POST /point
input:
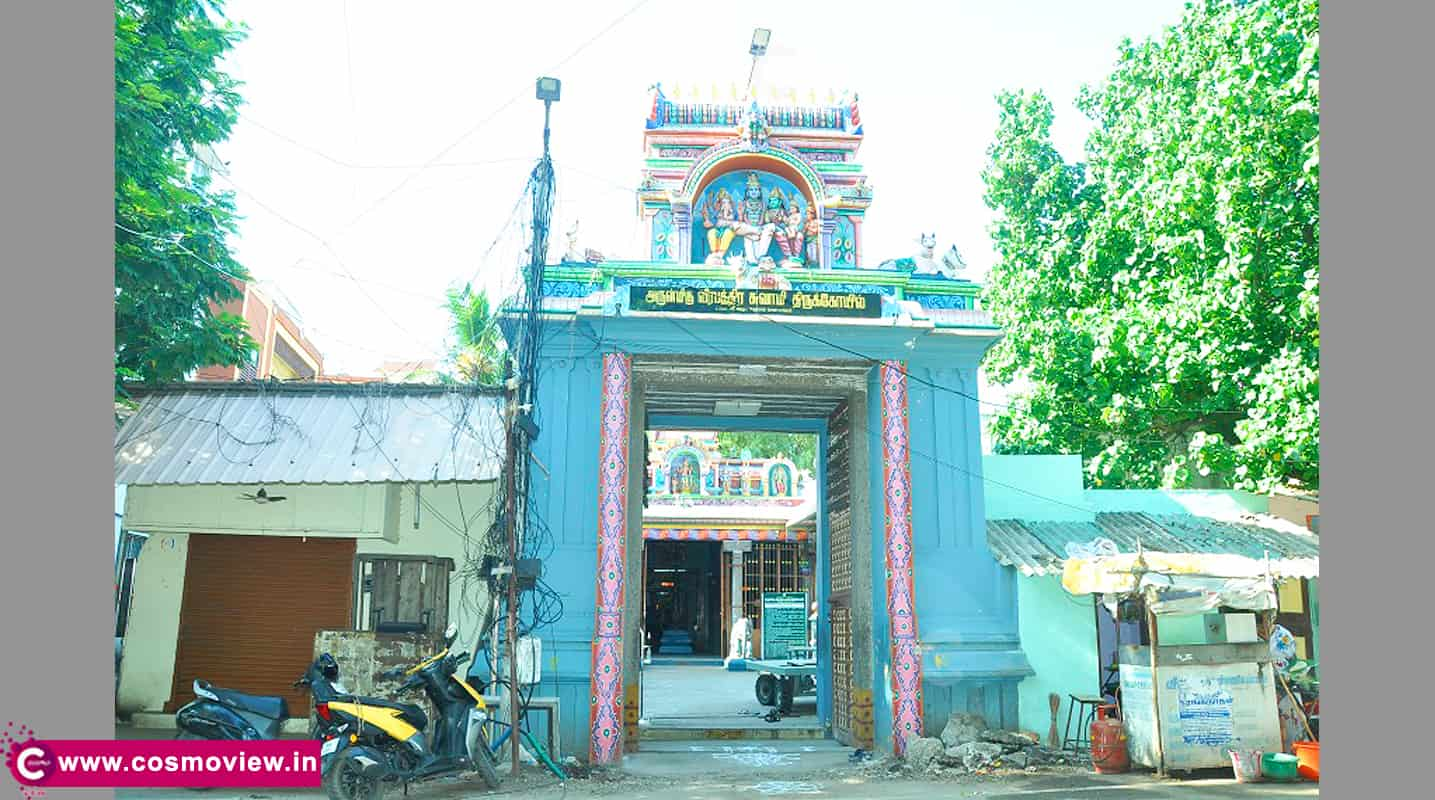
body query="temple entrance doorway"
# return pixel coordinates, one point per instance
(765, 464)
(730, 565)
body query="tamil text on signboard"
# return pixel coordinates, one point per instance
(784, 623)
(755, 301)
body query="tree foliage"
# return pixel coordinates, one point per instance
(171, 257)
(800, 448)
(476, 351)
(1161, 300)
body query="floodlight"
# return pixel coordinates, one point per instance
(760, 38)
(549, 89)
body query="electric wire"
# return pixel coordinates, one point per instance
(486, 119)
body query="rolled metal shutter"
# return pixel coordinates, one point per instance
(251, 607)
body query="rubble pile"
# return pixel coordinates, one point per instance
(967, 746)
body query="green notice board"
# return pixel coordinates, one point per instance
(784, 623)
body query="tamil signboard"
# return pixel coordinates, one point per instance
(784, 302)
(784, 623)
(1206, 711)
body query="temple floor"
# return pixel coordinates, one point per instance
(701, 694)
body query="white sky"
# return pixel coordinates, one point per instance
(347, 99)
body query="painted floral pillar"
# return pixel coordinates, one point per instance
(897, 540)
(606, 713)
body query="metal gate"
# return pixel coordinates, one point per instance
(838, 476)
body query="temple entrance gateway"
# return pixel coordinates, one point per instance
(741, 319)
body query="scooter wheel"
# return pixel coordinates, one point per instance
(485, 764)
(345, 782)
(186, 736)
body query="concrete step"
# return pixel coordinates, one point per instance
(685, 733)
(685, 758)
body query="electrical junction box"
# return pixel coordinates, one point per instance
(530, 660)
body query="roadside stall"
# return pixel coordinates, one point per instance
(1206, 684)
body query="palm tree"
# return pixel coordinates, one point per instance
(477, 348)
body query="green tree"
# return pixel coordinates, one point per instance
(799, 447)
(476, 350)
(172, 261)
(1161, 301)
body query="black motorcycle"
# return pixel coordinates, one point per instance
(226, 714)
(370, 742)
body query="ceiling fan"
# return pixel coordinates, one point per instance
(262, 496)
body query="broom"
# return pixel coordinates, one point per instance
(1055, 709)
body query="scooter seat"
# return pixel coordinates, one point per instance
(263, 705)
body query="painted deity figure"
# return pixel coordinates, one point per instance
(790, 235)
(684, 480)
(721, 230)
(753, 225)
(812, 230)
(779, 481)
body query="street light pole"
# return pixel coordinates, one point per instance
(521, 403)
(758, 48)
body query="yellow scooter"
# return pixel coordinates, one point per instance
(371, 743)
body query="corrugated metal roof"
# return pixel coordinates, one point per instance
(314, 433)
(1039, 548)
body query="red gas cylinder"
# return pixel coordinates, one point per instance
(1108, 743)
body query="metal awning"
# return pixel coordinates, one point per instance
(1039, 547)
(314, 433)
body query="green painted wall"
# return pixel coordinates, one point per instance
(1058, 635)
(1213, 502)
(1055, 477)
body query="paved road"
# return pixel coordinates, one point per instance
(757, 787)
(714, 774)
(708, 770)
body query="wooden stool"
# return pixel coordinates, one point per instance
(1082, 740)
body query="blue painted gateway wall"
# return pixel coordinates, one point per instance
(943, 631)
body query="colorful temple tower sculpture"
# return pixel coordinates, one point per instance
(796, 201)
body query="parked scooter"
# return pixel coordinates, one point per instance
(225, 714)
(370, 742)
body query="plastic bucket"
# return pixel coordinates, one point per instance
(1246, 764)
(1279, 766)
(1308, 760)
